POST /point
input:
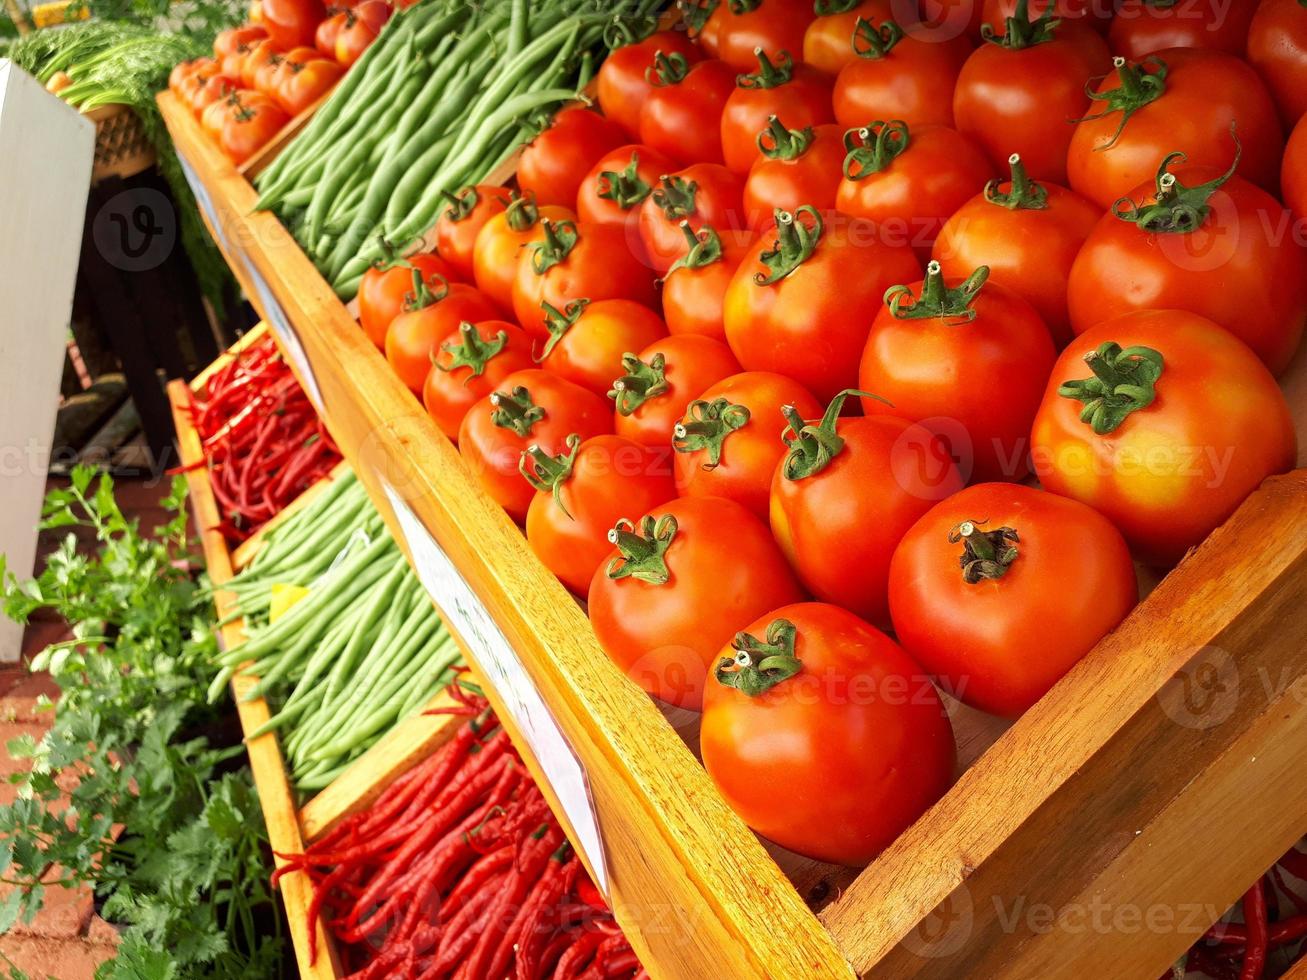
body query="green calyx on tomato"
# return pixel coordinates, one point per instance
(937, 301)
(391, 254)
(1020, 31)
(642, 551)
(707, 428)
(812, 447)
(639, 383)
(1178, 209)
(422, 296)
(1024, 194)
(870, 41)
(778, 143)
(471, 351)
(633, 29)
(549, 473)
(675, 196)
(515, 410)
(768, 75)
(667, 69)
(870, 149)
(743, 6)
(558, 322)
(705, 248)
(521, 213)
(986, 555)
(625, 188)
(794, 245)
(560, 238)
(461, 204)
(829, 8)
(1124, 381)
(759, 665)
(1137, 89)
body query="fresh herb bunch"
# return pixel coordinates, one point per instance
(133, 744)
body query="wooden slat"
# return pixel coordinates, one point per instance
(247, 550)
(247, 340)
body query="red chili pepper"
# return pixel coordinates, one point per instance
(1254, 913)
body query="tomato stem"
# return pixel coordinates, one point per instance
(515, 410)
(1177, 209)
(392, 254)
(873, 148)
(870, 41)
(640, 382)
(558, 322)
(708, 425)
(937, 301)
(743, 6)
(828, 8)
(794, 245)
(769, 74)
(985, 554)
(642, 551)
(759, 665)
(421, 297)
(1023, 194)
(812, 447)
(471, 351)
(778, 143)
(705, 248)
(560, 238)
(667, 69)
(629, 29)
(625, 187)
(1020, 31)
(1124, 381)
(462, 203)
(676, 197)
(1137, 89)
(549, 473)
(522, 213)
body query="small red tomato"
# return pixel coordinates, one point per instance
(1144, 27)
(459, 225)
(500, 241)
(324, 38)
(737, 30)
(292, 23)
(618, 185)
(386, 287)
(468, 365)
(683, 114)
(625, 78)
(1277, 48)
(798, 94)
(701, 194)
(1293, 178)
(530, 408)
(730, 440)
(823, 735)
(363, 22)
(278, 73)
(827, 43)
(429, 317)
(231, 39)
(936, 355)
(587, 341)
(846, 493)
(796, 167)
(306, 82)
(660, 381)
(682, 580)
(261, 54)
(554, 164)
(248, 128)
(184, 70)
(1042, 579)
(582, 492)
(694, 289)
(215, 113)
(1162, 422)
(209, 89)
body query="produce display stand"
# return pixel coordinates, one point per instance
(1180, 735)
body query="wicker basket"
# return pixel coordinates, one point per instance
(121, 148)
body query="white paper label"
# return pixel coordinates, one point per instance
(286, 335)
(502, 668)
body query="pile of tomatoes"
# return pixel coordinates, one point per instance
(266, 72)
(765, 355)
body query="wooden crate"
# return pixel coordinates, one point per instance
(1093, 804)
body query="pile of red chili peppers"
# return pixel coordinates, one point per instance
(460, 870)
(262, 439)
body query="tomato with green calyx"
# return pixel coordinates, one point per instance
(388, 285)
(230, 39)
(211, 119)
(827, 43)
(1293, 177)
(530, 408)
(1209, 243)
(704, 193)
(249, 127)
(796, 167)
(730, 440)
(1183, 100)
(898, 75)
(468, 365)
(616, 187)
(459, 225)
(1017, 91)
(1042, 579)
(305, 83)
(694, 289)
(775, 88)
(624, 81)
(501, 239)
(682, 116)
(1095, 13)
(737, 28)
(802, 306)
(292, 23)
(681, 580)
(324, 38)
(969, 361)
(430, 315)
(209, 89)
(554, 164)
(570, 260)
(1028, 233)
(845, 494)
(582, 492)
(1163, 422)
(909, 182)
(1277, 48)
(658, 384)
(823, 735)
(1144, 27)
(183, 70)
(587, 341)
(363, 22)
(261, 55)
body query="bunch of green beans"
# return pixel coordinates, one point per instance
(447, 92)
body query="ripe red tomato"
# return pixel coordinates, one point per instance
(737, 28)
(278, 71)
(460, 224)
(1166, 431)
(618, 184)
(385, 288)
(682, 580)
(529, 408)
(324, 38)
(587, 341)
(937, 354)
(898, 75)
(261, 53)
(184, 70)
(803, 305)
(623, 83)
(554, 164)
(682, 116)
(214, 113)
(577, 260)
(694, 289)
(1192, 109)
(229, 40)
(1221, 248)
(363, 22)
(909, 182)
(796, 167)
(1028, 233)
(1042, 579)
(730, 440)
(1097, 13)
(503, 235)
(846, 493)
(953, 18)
(701, 194)
(306, 82)
(209, 89)
(1144, 27)
(469, 364)
(1293, 179)
(1036, 65)
(582, 492)
(249, 127)
(827, 43)
(833, 749)
(660, 381)
(1277, 48)
(292, 23)
(799, 95)
(429, 317)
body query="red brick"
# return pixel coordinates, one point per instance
(66, 959)
(66, 913)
